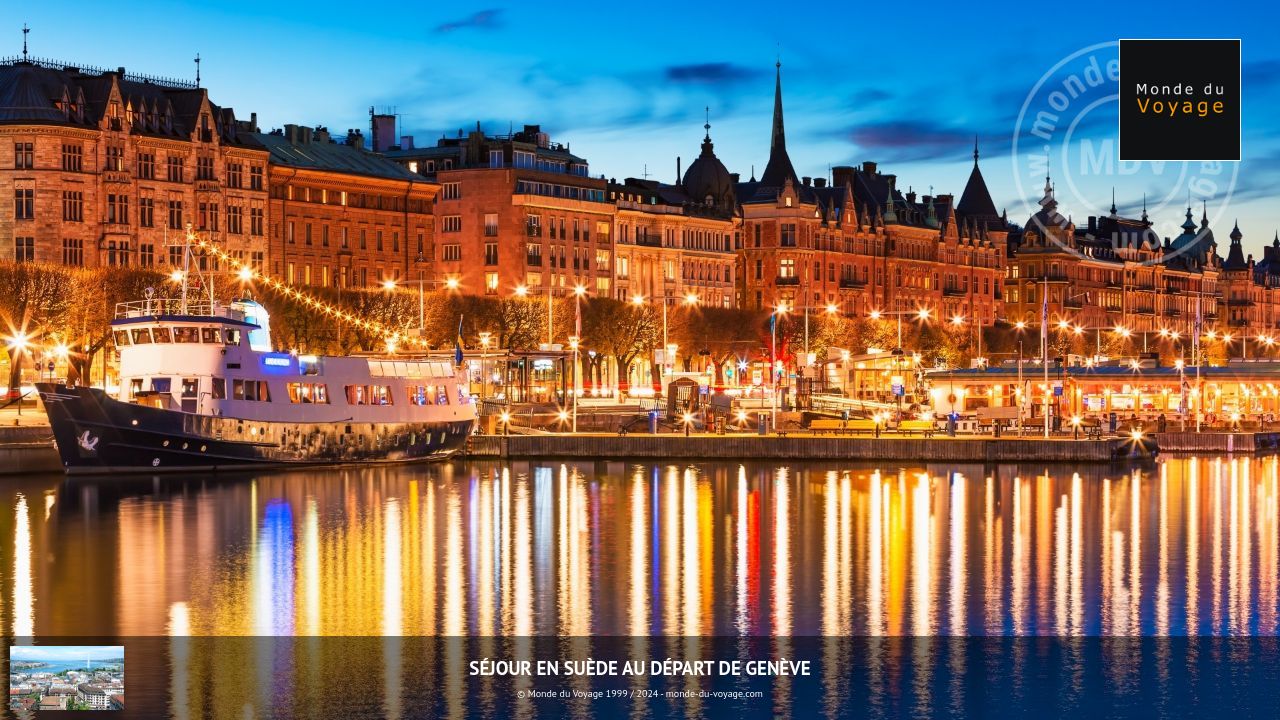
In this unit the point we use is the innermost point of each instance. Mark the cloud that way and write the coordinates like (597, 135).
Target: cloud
(710, 73)
(490, 19)
(869, 96)
(1261, 73)
(55, 653)
(907, 140)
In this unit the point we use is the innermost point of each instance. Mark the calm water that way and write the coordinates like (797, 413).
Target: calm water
(652, 553)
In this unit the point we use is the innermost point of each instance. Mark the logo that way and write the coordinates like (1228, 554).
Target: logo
(87, 442)
(1180, 100)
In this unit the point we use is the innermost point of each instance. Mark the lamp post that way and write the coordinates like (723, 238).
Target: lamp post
(921, 314)
(773, 360)
(578, 292)
(485, 337)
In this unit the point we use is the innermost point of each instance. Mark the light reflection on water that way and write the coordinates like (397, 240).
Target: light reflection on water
(667, 555)
(1187, 546)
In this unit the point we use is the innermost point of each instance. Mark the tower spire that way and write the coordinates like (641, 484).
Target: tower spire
(707, 125)
(25, 31)
(197, 69)
(1113, 201)
(975, 151)
(779, 167)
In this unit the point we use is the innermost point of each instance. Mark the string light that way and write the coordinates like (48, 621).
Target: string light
(391, 335)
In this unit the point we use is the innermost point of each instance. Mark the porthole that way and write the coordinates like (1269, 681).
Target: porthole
(165, 443)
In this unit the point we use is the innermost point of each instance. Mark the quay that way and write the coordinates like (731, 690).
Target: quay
(797, 446)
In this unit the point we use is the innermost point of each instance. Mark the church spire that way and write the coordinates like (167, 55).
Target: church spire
(975, 201)
(779, 168)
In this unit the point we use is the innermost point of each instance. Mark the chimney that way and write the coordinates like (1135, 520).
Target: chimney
(253, 121)
(291, 133)
(120, 71)
(911, 195)
(735, 177)
(819, 182)
(321, 134)
(355, 138)
(406, 142)
(868, 167)
(1093, 225)
(806, 180)
(841, 175)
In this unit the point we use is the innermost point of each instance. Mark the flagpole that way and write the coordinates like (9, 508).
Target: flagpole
(1044, 348)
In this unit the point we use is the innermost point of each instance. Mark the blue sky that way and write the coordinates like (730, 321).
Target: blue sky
(907, 86)
(65, 653)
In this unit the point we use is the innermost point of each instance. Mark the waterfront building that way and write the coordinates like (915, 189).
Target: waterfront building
(107, 167)
(1117, 275)
(859, 243)
(342, 216)
(678, 243)
(517, 214)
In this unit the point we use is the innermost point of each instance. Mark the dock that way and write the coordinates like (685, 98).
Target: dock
(802, 447)
(1219, 442)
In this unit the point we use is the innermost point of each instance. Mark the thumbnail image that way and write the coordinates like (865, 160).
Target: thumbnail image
(66, 677)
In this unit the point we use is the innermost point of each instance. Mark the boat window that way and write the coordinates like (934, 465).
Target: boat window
(368, 395)
(135, 387)
(186, 334)
(219, 389)
(210, 335)
(308, 393)
(308, 365)
(141, 336)
(161, 384)
(122, 338)
(231, 336)
(253, 390)
(418, 394)
(442, 395)
(463, 398)
(162, 334)
(190, 387)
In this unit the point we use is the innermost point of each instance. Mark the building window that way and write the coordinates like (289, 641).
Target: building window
(306, 233)
(787, 268)
(146, 255)
(491, 253)
(624, 268)
(146, 166)
(115, 158)
(534, 254)
(72, 206)
(204, 167)
(118, 254)
(173, 168)
(234, 171)
(344, 237)
(491, 283)
(256, 221)
(495, 158)
(377, 234)
(234, 220)
(452, 224)
(255, 177)
(24, 249)
(788, 234)
(24, 204)
(759, 269)
(324, 236)
(24, 155)
(175, 255)
(491, 225)
(118, 209)
(452, 253)
(72, 157)
(72, 251)
(452, 191)
(289, 228)
(175, 214)
(602, 260)
(147, 212)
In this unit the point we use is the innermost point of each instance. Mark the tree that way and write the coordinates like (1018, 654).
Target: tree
(623, 331)
(95, 294)
(34, 298)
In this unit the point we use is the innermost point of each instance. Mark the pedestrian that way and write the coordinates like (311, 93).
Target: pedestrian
(1161, 423)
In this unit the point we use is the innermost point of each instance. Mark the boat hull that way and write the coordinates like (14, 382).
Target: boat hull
(98, 434)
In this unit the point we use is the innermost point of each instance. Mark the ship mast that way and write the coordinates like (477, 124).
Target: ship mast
(206, 280)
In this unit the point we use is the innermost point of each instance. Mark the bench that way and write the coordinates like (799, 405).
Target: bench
(924, 427)
(842, 426)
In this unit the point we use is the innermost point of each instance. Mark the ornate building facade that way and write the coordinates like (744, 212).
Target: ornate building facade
(108, 168)
(343, 216)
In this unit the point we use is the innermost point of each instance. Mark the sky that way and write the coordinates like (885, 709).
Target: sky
(65, 653)
(628, 86)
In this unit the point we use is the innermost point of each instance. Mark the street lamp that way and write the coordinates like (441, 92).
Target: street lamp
(389, 284)
(485, 337)
(245, 274)
(573, 343)
(773, 360)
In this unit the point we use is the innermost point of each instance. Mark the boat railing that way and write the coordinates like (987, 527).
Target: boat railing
(174, 306)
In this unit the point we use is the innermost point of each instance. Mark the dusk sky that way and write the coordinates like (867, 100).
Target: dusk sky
(625, 85)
